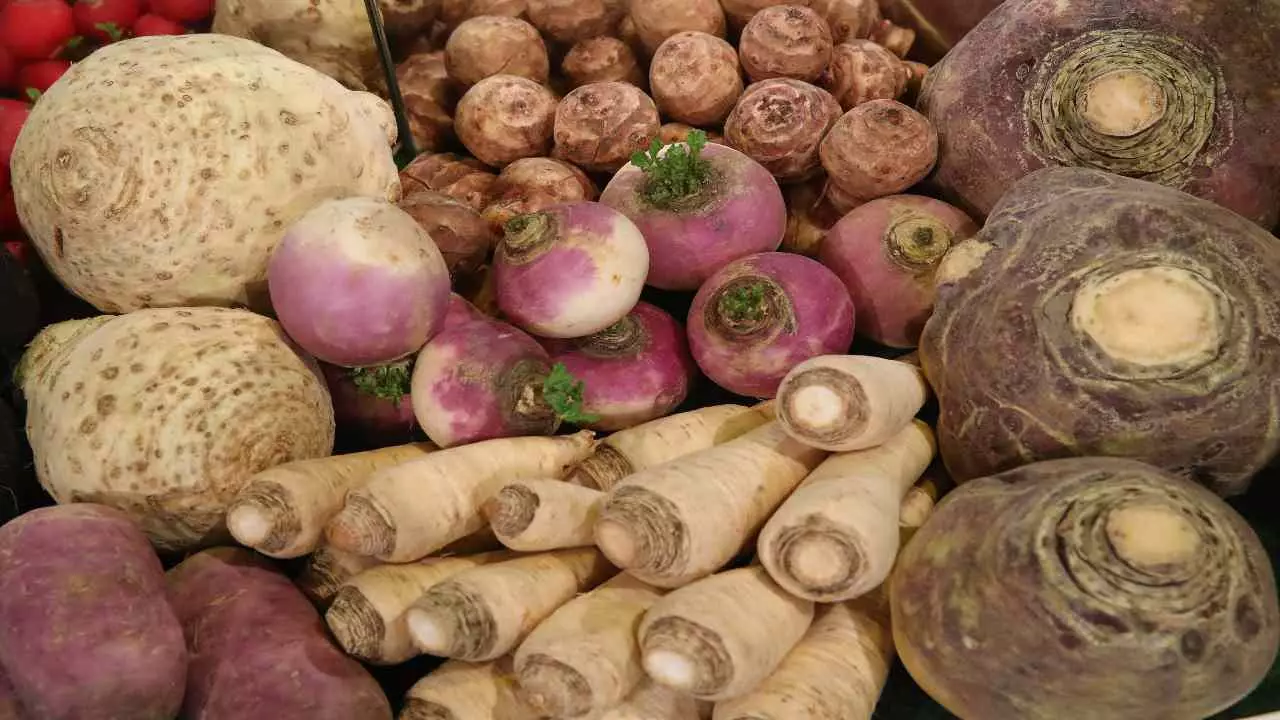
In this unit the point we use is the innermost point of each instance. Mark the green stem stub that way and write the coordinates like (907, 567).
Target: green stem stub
(528, 236)
(385, 382)
(564, 394)
(677, 175)
(744, 304)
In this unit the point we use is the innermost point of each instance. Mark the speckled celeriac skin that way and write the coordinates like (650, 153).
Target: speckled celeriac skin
(162, 171)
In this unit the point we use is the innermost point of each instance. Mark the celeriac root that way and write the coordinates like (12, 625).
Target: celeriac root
(325, 571)
(466, 691)
(849, 402)
(537, 515)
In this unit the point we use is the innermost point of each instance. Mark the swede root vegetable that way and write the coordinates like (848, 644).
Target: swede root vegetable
(538, 515)
(116, 235)
(166, 413)
(657, 20)
(848, 19)
(461, 178)
(429, 98)
(695, 78)
(533, 184)
(358, 282)
(655, 525)
(721, 636)
(463, 237)
(258, 646)
(810, 214)
(856, 152)
(1130, 338)
(1135, 593)
(671, 133)
(462, 691)
(699, 206)
(658, 441)
(570, 21)
(887, 252)
(760, 316)
(779, 123)
(861, 71)
(504, 118)
(788, 41)
(387, 518)
(494, 45)
(85, 629)
(602, 59)
(836, 671)
(327, 569)
(584, 657)
(1196, 119)
(282, 511)
(849, 402)
(837, 536)
(599, 125)
(484, 613)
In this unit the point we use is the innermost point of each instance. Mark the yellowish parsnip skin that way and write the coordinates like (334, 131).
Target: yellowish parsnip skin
(849, 402)
(327, 569)
(537, 515)
(467, 691)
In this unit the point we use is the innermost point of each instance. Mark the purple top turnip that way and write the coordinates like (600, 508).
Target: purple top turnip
(636, 370)
(358, 282)
(700, 206)
(570, 270)
(760, 316)
(373, 402)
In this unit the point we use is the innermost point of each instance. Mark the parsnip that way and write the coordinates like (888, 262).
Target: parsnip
(920, 500)
(484, 613)
(537, 515)
(325, 571)
(465, 691)
(412, 510)
(837, 536)
(584, 657)
(682, 520)
(721, 636)
(283, 510)
(849, 402)
(652, 701)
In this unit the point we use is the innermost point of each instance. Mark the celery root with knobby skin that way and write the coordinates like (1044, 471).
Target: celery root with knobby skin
(327, 569)
(414, 509)
(849, 402)
(584, 658)
(674, 523)
(536, 515)
(718, 638)
(283, 510)
(467, 691)
(484, 613)
(836, 537)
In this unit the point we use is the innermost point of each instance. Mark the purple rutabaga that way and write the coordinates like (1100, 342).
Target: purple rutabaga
(357, 282)
(570, 270)
(636, 370)
(760, 316)
(700, 206)
(373, 404)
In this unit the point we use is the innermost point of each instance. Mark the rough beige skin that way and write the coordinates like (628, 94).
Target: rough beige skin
(599, 126)
(848, 19)
(162, 171)
(461, 178)
(779, 124)
(785, 41)
(429, 98)
(167, 413)
(861, 71)
(695, 78)
(570, 21)
(656, 20)
(602, 59)
(504, 118)
(878, 148)
(493, 45)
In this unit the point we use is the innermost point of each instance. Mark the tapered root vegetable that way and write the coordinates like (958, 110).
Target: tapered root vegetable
(657, 20)
(836, 671)
(695, 78)
(861, 71)
(494, 45)
(602, 59)
(760, 316)
(599, 125)
(389, 519)
(463, 237)
(534, 184)
(849, 402)
(919, 502)
(788, 41)
(810, 214)
(655, 525)
(651, 700)
(837, 536)
(1128, 338)
(1124, 573)
(721, 636)
(467, 691)
(779, 124)
(464, 179)
(111, 229)
(504, 118)
(658, 441)
(584, 657)
(570, 21)
(848, 19)
(538, 515)
(672, 133)
(1137, 91)
(857, 156)
(85, 629)
(484, 613)
(887, 252)
(429, 98)
(326, 569)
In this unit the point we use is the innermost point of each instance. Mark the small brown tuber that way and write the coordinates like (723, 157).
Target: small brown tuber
(454, 12)
(695, 78)
(534, 184)
(504, 118)
(779, 123)
(878, 148)
(570, 21)
(461, 178)
(429, 99)
(461, 234)
(810, 214)
(740, 12)
(679, 132)
(492, 45)
(785, 41)
(894, 38)
(861, 71)
(602, 59)
(848, 19)
(598, 126)
(657, 20)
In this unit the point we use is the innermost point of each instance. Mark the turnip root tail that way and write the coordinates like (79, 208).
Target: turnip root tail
(849, 402)
(536, 515)
(464, 691)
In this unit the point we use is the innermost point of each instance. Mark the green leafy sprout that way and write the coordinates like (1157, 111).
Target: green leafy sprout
(385, 382)
(563, 392)
(675, 175)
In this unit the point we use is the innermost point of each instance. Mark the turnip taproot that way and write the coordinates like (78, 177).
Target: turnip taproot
(1137, 89)
(430, 96)
(657, 20)
(779, 124)
(464, 179)
(861, 71)
(570, 21)
(695, 78)
(1132, 591)
(1101, 315)
(538, 515)
(602, 59)
(599, 125)
(533, 184)
(462, 236)
(700, 206)
(878, 148)
(788, 41)
(460, 690)
(503, 118)
(492, 45)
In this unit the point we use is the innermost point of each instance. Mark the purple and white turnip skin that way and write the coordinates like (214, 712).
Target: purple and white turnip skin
(635, 370)
(734, 208)
(570, 270)
(373, 403)
(759, 317)
(886, 252)
(358, 282)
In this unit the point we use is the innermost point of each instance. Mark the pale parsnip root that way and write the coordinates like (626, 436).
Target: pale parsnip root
(538, 515)
(849, 402)
(652, 701)
(325, 571)
(283, 510)
(721, 636)
(412, 510)
(920, 500)
(683, 520)
(837, 536)
(584, 657)
(465, 691)
(484, 613)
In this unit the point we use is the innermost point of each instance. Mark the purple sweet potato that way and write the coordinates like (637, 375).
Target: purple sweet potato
(258, 647)
(85, 629)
